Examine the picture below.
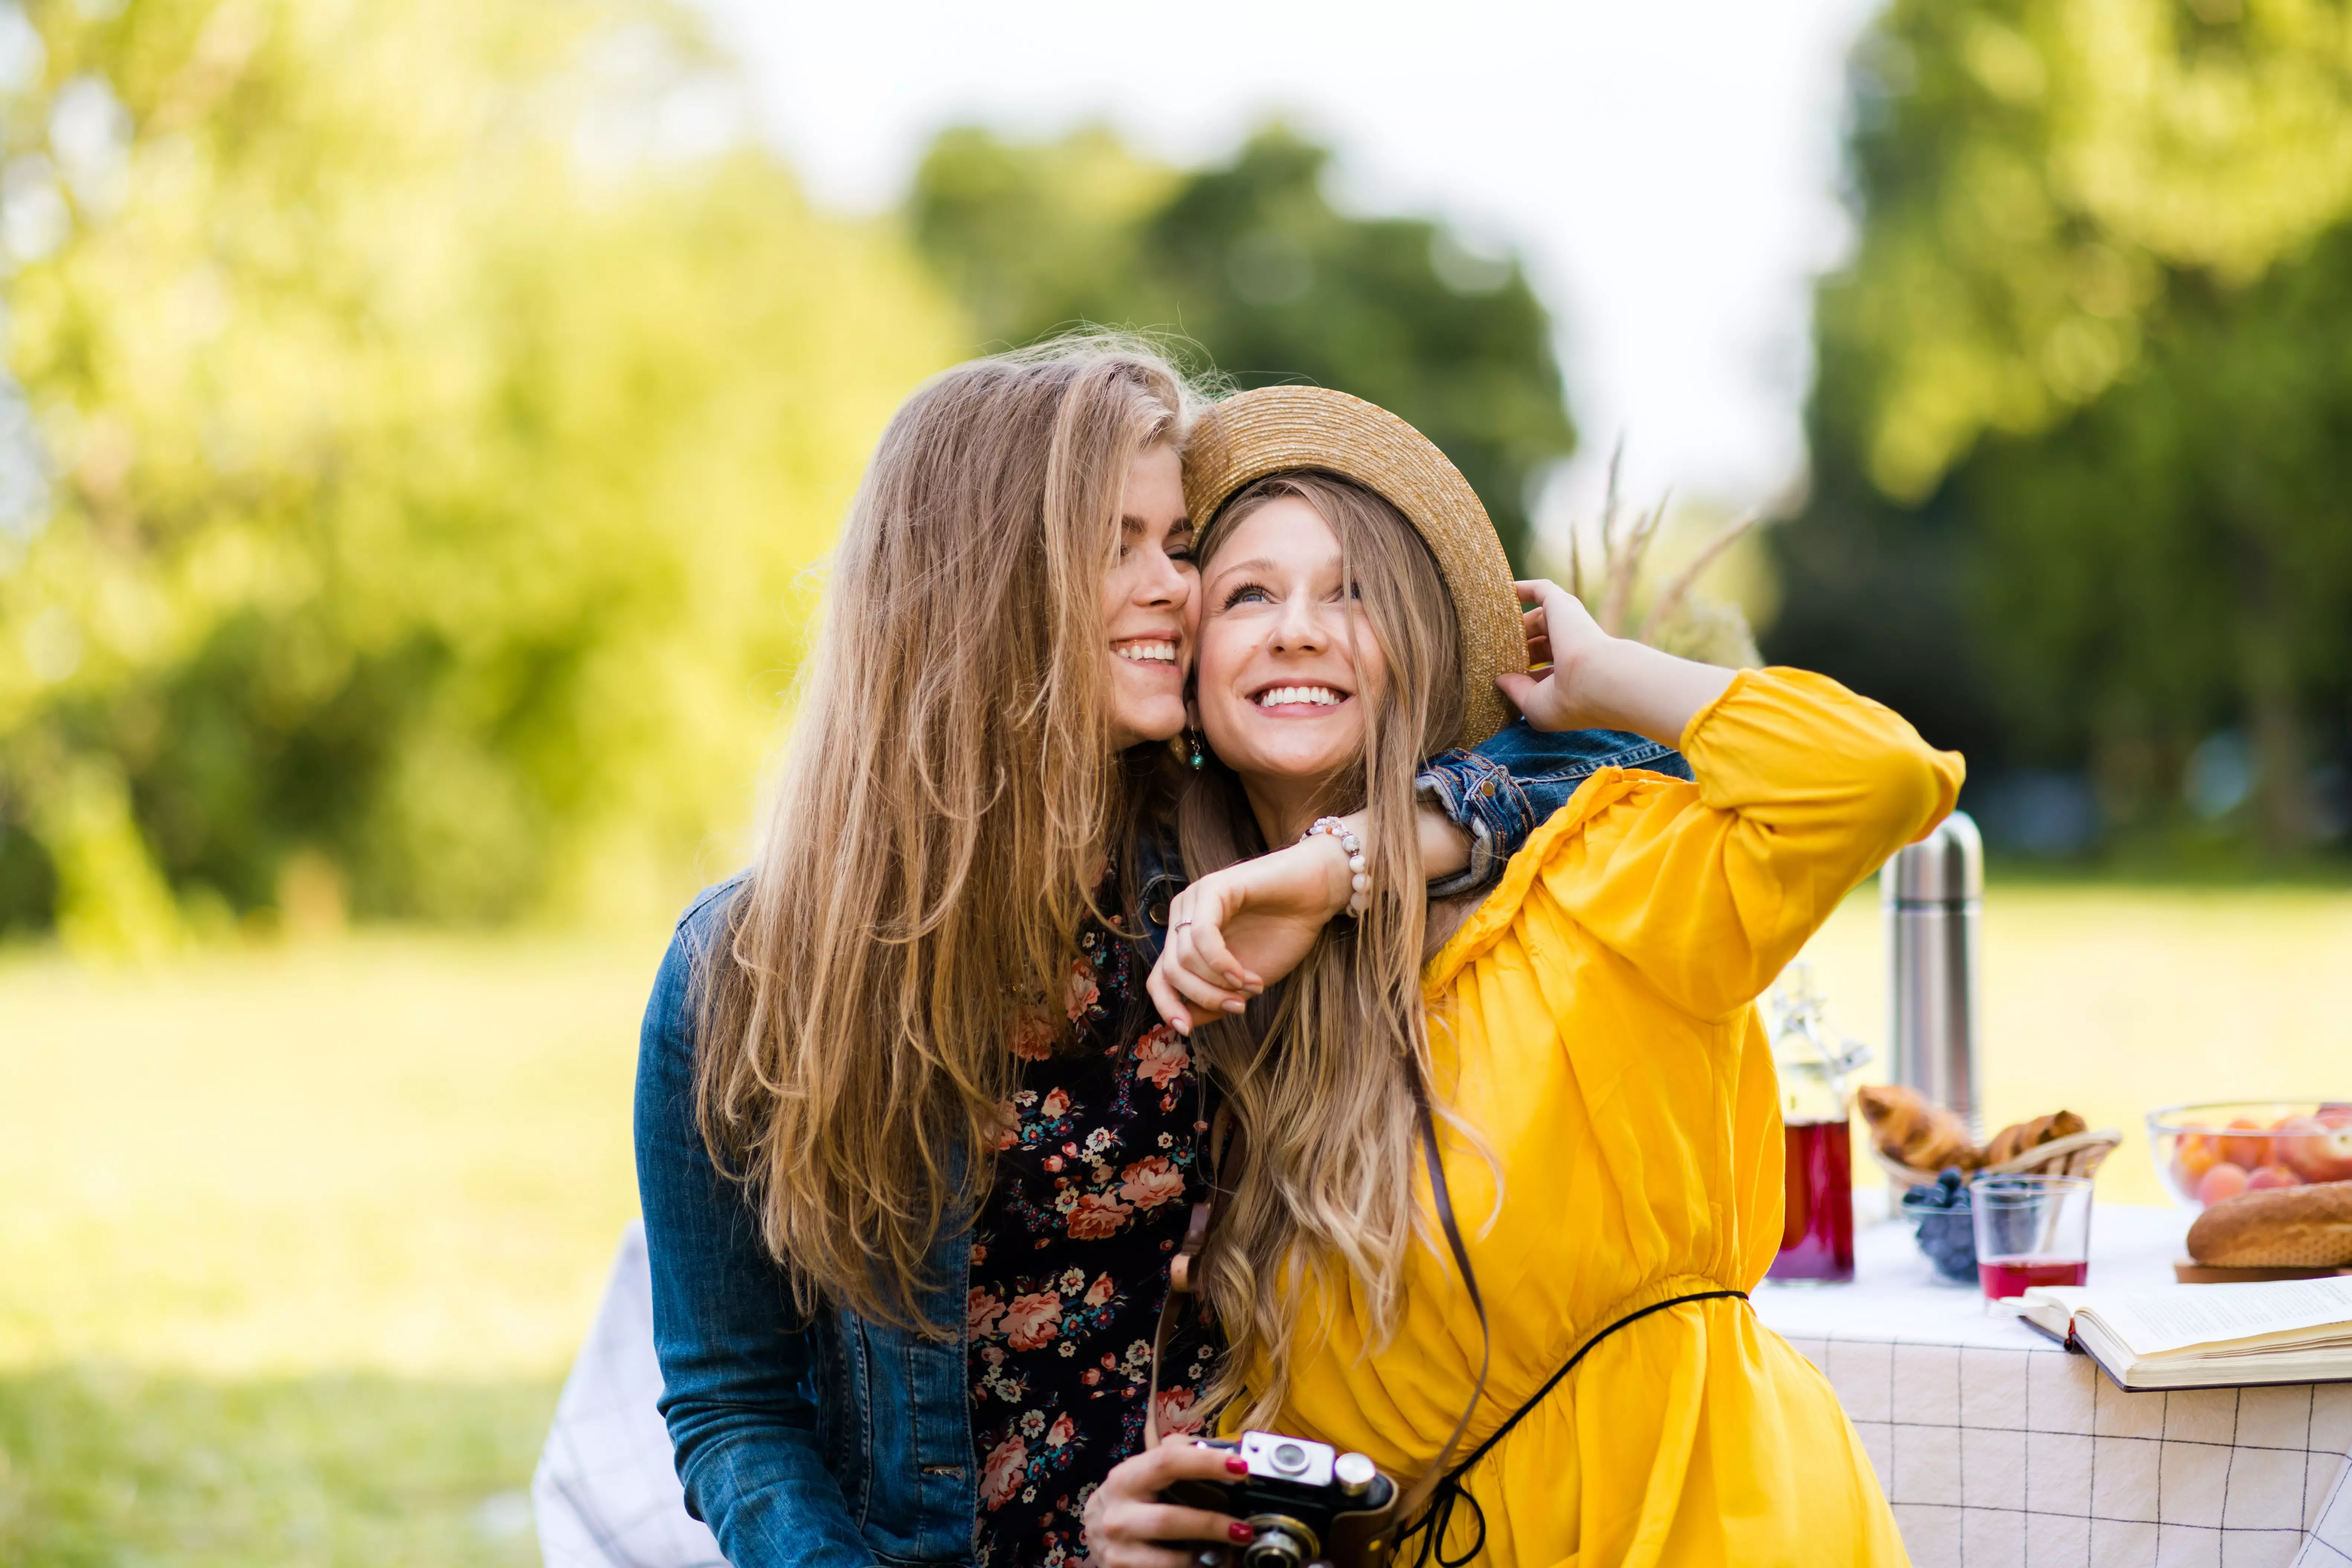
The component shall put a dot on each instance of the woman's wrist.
(1329, 857)
(1626, 685)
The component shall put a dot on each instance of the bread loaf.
(2021, 1137)
(2280, 1227)
(1910, 1132)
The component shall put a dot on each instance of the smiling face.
(1289, 663)
(1151, 603)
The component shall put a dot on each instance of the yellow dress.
(1595, 1018)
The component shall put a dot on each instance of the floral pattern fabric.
(1095, 1180)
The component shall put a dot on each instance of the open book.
(2204, 1336)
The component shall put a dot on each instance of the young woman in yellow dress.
(1608, 1112)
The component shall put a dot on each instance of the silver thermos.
(1933, 893)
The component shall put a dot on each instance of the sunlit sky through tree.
(1670, 169)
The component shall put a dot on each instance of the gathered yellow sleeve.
(1708, 888)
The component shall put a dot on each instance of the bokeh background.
(422, 425)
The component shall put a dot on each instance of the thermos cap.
(1945, 868)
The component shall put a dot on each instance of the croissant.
(2018, 1137)
(1913, 1132)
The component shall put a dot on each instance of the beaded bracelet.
(1359, 880)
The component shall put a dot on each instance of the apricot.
(2246, 1153)
(2270, 1176)
(2224, 1181)
(2193, 1156)
(2335, 1115)
(2320, 1150)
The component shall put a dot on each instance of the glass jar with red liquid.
(1817, 1226)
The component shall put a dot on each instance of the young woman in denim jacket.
(911, 1151)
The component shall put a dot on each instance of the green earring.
(1198, 758)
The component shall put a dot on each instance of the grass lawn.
(295, 1246)
(2112, 1001)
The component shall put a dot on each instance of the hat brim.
(1276, 428)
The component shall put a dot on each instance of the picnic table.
(1998, 1448)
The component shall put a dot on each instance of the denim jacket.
(828, 1440)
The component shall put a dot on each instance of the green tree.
(2080, 466)
(1250, 262)
(425, 472)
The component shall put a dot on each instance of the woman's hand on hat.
(1236, 931)
(1562, 634)
(1598, 682)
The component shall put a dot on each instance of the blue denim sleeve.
(736, 1359)
(1500, 792)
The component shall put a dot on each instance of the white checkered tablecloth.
(1999, 1449)
(607, 1494)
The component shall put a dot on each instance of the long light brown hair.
(1321, 1073)
(947, 790)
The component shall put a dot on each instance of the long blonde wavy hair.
(947, 792)
(1321, 1072)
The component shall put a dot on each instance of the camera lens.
(1289, 1457)
(1274, 1548)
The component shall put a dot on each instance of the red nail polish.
(1237, 1465)
(1241, 1531)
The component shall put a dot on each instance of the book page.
(2176, 1317)
(2052, 1307)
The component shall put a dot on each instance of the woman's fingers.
(1144, 1554)
(1165, 1000)
(1126, 1521)
(1196, 974)
(1202, 994)
(1206, 905)
(1166, 1522)
(1207, 956)
(1182, 992)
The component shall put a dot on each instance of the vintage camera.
(1309, 1504)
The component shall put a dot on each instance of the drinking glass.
(2030, 1230)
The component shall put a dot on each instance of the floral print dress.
(1095, 1180)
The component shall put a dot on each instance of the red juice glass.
(2030, 1230)
(1817, 1229)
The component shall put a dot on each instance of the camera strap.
(1227, 1155)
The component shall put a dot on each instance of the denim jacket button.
(1487, 788)
(1158, 912)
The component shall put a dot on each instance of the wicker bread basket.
(2077, 1154)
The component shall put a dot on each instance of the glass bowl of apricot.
(2215, 1151)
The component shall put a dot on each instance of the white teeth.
(1281, 695)
(1147, 652)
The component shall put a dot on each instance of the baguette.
(2280, 1227)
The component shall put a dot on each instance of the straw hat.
(1275, 429)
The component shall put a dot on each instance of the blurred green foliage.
(1251, 262)
(2082, 429)
(409, 457)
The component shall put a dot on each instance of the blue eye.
(1246, 593)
